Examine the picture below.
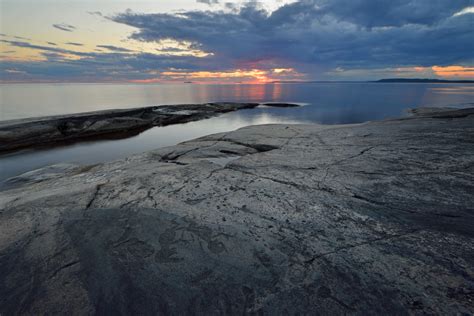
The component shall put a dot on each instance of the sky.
(221, 41)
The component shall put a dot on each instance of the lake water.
(325, 103)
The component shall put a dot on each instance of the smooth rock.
(367, 219)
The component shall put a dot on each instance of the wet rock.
(362, 219)
(281, 104)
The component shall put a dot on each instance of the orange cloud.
(238, 75)
(254, 74)
(412, 69)
(420, 69)
(454, 71)
(153, 80)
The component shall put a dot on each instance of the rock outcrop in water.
(56, 130)
(365, 219)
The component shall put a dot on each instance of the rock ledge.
(109, 124)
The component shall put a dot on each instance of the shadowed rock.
(366, 219)
(441, 112)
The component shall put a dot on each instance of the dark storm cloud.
(391, 13)
(64, 27)
(323, 33)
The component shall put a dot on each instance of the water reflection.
(468, 90)
(99, 151)
(27, 100)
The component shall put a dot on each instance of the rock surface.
(365, 219)
(55, 130)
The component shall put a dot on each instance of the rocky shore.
(108, 124)
(366, 219)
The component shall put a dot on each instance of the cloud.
(467, 10)
(388, 13)
(318, 35)
(74, 44)
(61, 64)
(97, 13)
(33, 46)
(51, 43)
(240, 75)
(64, 27)
(454, 71)
(14, 71)
(310, 39)
(47, 51)
(114, 48)
(208, 2)
(22, 38)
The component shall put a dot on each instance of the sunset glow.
(454, 71)
(252, 76)
(236, 42)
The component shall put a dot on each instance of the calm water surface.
(325, 103)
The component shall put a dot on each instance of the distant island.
(417, 80)
(389, 80)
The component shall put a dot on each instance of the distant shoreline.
(389, 80)
(416, 80)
